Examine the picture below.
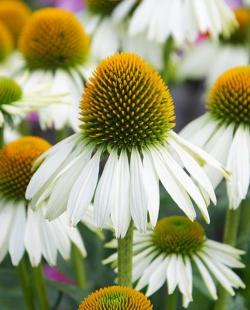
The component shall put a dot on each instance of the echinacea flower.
(210, 59)
(224, 131)
(127, 113)
(169, 253)
(183, 20)
(110, 36)
(22, 229)
(116, 298)
(14, 14)
(16, 100)
(55, 49)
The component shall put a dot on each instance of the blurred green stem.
(244, 229)
(25, 282)
(40, 288)
(125, 252)
(62, 133)
(78, 263)
(1, 136)
(172, 300)
(230, 237)
(168, 50)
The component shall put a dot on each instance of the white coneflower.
(224, 131)
(183, 20)
(209, 59)
(55, 49)
(127, 114)
(16, 100)
(22, 229)
(116, 298)
(110, 35)
(169, 252)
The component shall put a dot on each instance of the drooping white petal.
(171, 273)
(83, 189)
(206, 277)
(157, 278)
(32, 239)
(138, 194)
(102, 202)
(152, 188)
(16, 242)
(49, 167)
(239, 165)
(187, 183)
(7, 213)
(175, 190)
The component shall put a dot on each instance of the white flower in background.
(127, 113)
(110, 36)
(224, 131)
(207, 59)
(55, 49)
(22, 229)
(181, 19)
(17, 100)
(169, 253)
(9, 59)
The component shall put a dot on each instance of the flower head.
(102, 6)
(16, 161)
(172, 249)
(227, 120)
(20, 228)
(6, 42)
(116, 298)
(53, 39)
(229, 98)
(126, 105)
(242, 32)
(127, 115)
(14, 16)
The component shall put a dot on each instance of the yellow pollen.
(53, 38)
(16, 160)
(14, 16)
(229, 98)
(126, 104)
(116, 298)
(6, 42)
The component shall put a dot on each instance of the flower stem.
(40, 287)
(80, 273)
(172, 300)
(168, 66)
(125, 251)
(244, 225)
(230, 237)
(24, 278)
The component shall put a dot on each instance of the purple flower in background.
(234, 3)
(52, 273)
(72, 5)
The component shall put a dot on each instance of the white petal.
(138, 194)
(171, 273)
(157, 278)
(152, 188)
(206, 277)
(83, 189)
(16, 242)
(239, 165)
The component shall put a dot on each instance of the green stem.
(244, 225)
(1, 136)
(125, 252)
(172, 300)
(168, 69)
(24, 279)
(78, 264)
(230, 237)
(40, 287)
(62, 133)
